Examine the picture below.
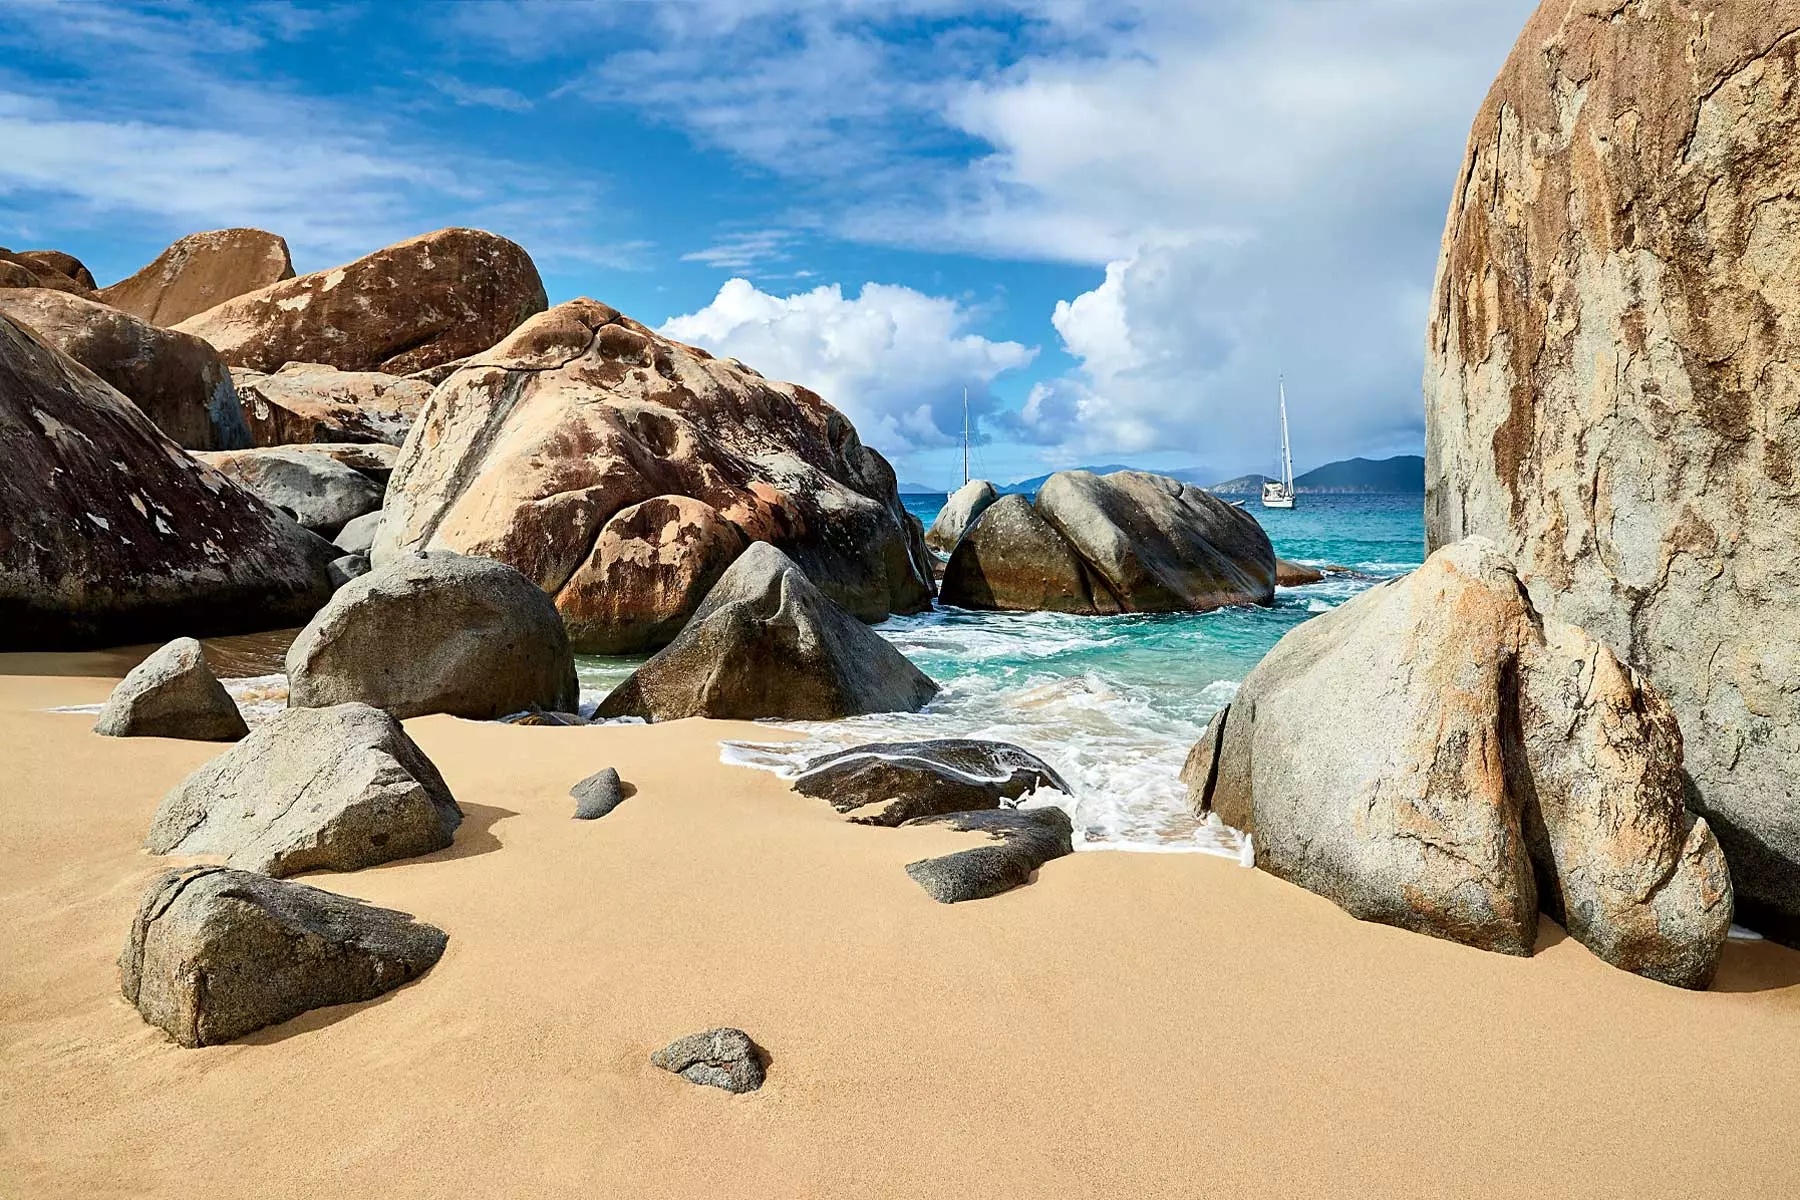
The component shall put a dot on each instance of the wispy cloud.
(471, 95)
(742, 251)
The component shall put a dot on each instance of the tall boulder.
(1611, 393)
(434, 298)
(528, 451)
(201, 271)
(1013, 560)
(1434, 754)
(961, 509)
(179, 381)
(311, 402)
(113, 534)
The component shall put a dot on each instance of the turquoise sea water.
(1114, 703)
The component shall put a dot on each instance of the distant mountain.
(919, 489)
(1401, 475)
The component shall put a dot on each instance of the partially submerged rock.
(1011, 559)
(1024, 840)
(314, 789)
(312, 402)
(1428, 752)
(321, 493)
(961, 510)
(537, 719)
(888, 783)
(201, 271)
(436, 633)
(767, 643)
(721, 1058)
(215, 953)
(172, 694)
(597, 795)
(1293, 574)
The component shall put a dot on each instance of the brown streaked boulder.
(42, 272)
(412, 305)
(311, 402)
(962, 508)
(66, 265)
(201, 271)
(1012, 560)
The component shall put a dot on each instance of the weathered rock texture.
(199, 272)
(889, 783)
(334, 789)
(1292, 574)
(42, 269)
(1613, 382)
(1013, 560)
(767, 643)
(1023, 841)
(598, 794)
(961, 510)
(529, 451)
(311, 402)
(436, 633)
(721, 1058)
(1434, 755)
(172, 694)
(323, 494)
(113, 534)
(437, 297)
(215, 953)
(179, 381)
(59, 261)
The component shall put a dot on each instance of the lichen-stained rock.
(1613, 377)
(172, 694)
(113, 534)
(413, 305)
(311, 402)
(201, 271)
(1013, 560)
(886, 783)
(961, 509)
(323, 494)
(179, 381)
(528, 451)
(1429, 751)
(216, 953)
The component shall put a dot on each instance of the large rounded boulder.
(422, 302)
(1610, 385)
(961, 510)
(113, 534)
(201, 271)
(1012, 560)
(436, 633)
(531, 449)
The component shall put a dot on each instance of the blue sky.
(1115, 223)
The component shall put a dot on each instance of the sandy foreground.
(1128, 1025)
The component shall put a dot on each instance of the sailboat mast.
(1287, 454)
(965, 435)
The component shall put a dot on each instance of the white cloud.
(741, 251)
(894, 359)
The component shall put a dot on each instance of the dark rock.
(172, 694)
(1025, 840)
(892, 782)
(63, 264)
(1013, 560)
(721, 1058)
(548, 720)
(350, 566)
(597, 795)
(324, 495)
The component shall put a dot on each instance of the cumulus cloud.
(894, 359)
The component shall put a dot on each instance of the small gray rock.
(216, 953)
(597, 795)
(1026, 840)
(359, 535)
(347, 567)
(722, 1058)
(172, 694)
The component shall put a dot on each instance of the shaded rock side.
(115, 535)
(311, 402)
(201, 271)
(888, 783)
(1431, 755)
(64, 264)
(1013, 560)
(767, 643)
(32, 269)
(1611, 391)
(1024, 840)
(215, 953)
(314, 789)
(413, 305)
(961, 509)
(527, 452)
(722, 1058)
(172, 694)
(597, 795)
(178, 381)
(436, 633)
(323, 494)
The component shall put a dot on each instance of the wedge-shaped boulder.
(1023, 841)
(323, 494)
(201, 271)
(178, 381)
(436, 633)
(1427, 753)
(1013, 560)
(767, 643)
(961, 510)
(172, 694)
(311, 402)
(434, 298)
(112, 534)
(314, 789)
(887, 783)
(216, 953)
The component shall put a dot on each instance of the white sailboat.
(1280, 493)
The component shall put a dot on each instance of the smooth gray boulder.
(887, 783)
(216, 953)
(324, 495)
(961, 510)
(597, 795)
(436, 633)
(722, 1058)
(1024, 840)
(358, 535)
(334, 789)
(766, 643)
(346, 568)
(1013, 560)
(172, 694)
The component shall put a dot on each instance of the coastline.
(1037, 1043)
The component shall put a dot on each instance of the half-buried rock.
(721, 1058)
(1436, 755)
(333, 789)
(172, 694)
(1024, 840)
(891, 782)
(216, 953)
(323, 494)
(436, 633)
(767, 643)
(597, 795)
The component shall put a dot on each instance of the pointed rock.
(172, 694)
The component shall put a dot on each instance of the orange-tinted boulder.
(201, 271)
